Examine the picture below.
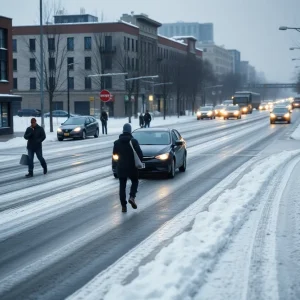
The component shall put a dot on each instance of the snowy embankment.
(180, 268)
(114, 127)
(296, 134)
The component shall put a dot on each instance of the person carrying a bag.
(126, 167)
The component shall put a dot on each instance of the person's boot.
(45, 170)
(132, 202)
(124, 209)
(30, 174)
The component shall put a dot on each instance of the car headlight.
(198, 113)
(225, 113)
(260, 107)
(216, 111)
(245, 109)
(272, 116)
(236, 113)
(209, 113)
(77, 129)
(115, 157)
(164, 156)
(59, 130)
(287, 115)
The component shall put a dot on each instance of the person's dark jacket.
(126, 166)
(35, 136)
(147, 117)
(141, 117)
(104, 117)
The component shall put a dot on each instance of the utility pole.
(68, 85)
(42, 64)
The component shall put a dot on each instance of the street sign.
(105, 96)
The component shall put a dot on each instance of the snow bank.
(179, 269)
(296, 134)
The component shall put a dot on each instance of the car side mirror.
(179, 143)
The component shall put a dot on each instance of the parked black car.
(78, 127)
(58, 114)
(29, 112)
(164, 150)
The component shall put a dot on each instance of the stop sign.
(105, 96)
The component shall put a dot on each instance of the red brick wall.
(5, 88)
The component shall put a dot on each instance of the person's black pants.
(147, 124)
(133, 189)
(104, 127)
(39, 155)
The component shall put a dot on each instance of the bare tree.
(298, 84)
(231, 83)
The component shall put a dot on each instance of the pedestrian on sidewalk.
(147, 119)
(126, 166)
(141, 118)
(104, 119)
(35, 135)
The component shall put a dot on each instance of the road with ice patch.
(59, 231)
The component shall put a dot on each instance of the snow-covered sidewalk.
(180, 268)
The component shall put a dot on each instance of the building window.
(32, 45)
(51, 44)
(88, 83)
(88, 63)
(3, 65)
(108, 62)
(137, 64)
(15, 83)
(33, 83)
(132, 63)
(87, 43)
(32, 64)
(3, 39)
(51, 83)
(128, 44)
(71, 83)
(128, 63)
(51, 63)
(70, 44)
(70, 63)
(125, 43)
(132, 45)
(108, 42)
(15, 48)
(4, 120)
(107, 82)
(136, 45)
(15, 64)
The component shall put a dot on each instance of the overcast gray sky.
(250, 26)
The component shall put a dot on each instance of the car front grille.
(147, 158)
(67, 130)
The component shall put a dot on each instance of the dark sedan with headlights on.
(78, 127)
(280, 113)
(164, 151)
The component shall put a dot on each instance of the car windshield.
(219, 107)
(152, 137)
(280, 110)
(232, 108)
(75, 121)
(227, 102)
(206, 108)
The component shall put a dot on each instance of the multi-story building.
(204, 33)
(81, 18)
(219, 57)
(9, 103)
(131, 47)
(236, 60)
(248, 72)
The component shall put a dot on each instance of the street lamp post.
(42, 64)
(286, 28)
(295, 58)
(295, 48)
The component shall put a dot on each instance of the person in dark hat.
(126, 166)
(35, 135)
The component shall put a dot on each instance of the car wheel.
(183, 167)
(96, 133)
(83, 135)
(198, 119)
(115, 175)
(60, 139)
(171, 174)
(289, 122)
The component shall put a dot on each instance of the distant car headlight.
(77, 129)
(115, 157)
(236, 113)
(287, 115)
(164, 156)
(272, 116)
(216, 111)
(59, 130)
(198, 113)
(245, 109)
(260, 107)
(209, 113)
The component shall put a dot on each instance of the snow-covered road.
(58, 232)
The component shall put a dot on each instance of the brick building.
(8, 102)
(130, 46)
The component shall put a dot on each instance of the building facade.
(126, 49)
(219, 57)
(248, 72)
(204, 33)
(9, 103)
(236, 60)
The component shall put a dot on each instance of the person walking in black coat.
(147, 119)
(126, 166)
(141, 118)
(104, 119)
(35, 135)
